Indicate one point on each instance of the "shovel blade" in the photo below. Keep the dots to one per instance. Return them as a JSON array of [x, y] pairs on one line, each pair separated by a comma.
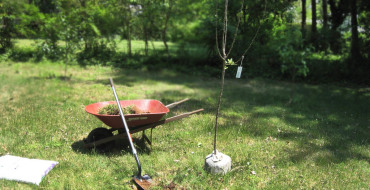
[[144, 182]]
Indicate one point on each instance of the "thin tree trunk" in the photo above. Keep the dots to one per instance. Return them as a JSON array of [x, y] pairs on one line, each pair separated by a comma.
[[219, 104], [146, 25], [303, 24], [146, 39], [164, 32], [223, 56], [129, 38], [68, 47]]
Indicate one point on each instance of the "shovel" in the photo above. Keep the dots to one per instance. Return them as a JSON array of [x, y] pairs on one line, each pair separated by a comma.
[[142, 181]]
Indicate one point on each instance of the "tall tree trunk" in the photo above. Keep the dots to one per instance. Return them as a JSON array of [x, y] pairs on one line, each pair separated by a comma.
[[338, 12], [164, 32], [354, 24], [129, 37], [303, 24], [314, 25], [325, 13], [6, 39], [146, 40], [146, 25]]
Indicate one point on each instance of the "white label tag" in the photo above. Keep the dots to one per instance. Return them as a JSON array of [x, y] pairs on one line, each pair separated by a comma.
[[239, 72]]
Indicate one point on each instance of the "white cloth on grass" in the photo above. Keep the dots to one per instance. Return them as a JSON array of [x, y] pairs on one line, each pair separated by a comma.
[[24, 169]]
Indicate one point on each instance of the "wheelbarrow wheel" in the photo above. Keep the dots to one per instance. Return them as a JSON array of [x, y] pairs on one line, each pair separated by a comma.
[[98, 134]]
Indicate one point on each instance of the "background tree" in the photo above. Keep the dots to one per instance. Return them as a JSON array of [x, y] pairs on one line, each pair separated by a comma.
[[325, 13], [224, 52], [69, 34], [278, 53], [339, 10], [303, 22], [147, 23], [165, 26], [313, 24], [9, 11], [355, 50]]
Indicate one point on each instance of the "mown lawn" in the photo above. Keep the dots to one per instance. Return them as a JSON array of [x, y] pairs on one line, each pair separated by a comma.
[[292, 135]]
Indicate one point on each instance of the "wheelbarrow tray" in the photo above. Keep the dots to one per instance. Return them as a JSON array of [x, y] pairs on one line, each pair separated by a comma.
[[155, 108]]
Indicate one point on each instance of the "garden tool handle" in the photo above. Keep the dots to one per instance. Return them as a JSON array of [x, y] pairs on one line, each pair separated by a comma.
[[111, 82], [126, 127]]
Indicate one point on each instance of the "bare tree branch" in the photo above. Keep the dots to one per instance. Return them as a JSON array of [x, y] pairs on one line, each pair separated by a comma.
[[224, 31], [236, 32], [217, 46], [254, 37]]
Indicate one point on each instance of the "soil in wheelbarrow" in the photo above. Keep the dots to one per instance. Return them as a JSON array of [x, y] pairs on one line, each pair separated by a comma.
[[112, 109]]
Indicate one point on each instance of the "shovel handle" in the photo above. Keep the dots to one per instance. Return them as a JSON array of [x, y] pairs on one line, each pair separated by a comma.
[[111, 82], [126, 127]]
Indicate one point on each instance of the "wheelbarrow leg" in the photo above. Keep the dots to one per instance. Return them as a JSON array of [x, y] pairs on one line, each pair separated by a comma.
[[145, 138]]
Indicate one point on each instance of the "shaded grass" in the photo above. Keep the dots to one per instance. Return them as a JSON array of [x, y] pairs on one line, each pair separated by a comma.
[[292, 135]]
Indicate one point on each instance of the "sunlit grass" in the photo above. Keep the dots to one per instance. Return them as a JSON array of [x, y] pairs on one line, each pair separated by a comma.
[[137, 46], [292, 135]]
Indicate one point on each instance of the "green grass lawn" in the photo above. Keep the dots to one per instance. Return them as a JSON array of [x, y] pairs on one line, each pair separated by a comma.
[[294, 136]]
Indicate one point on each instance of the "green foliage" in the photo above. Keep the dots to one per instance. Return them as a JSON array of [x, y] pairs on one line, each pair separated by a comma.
[[99, 52], [52, 29], [8, 9], [4, 56], [49, 50], [329, 41], [364, 23], [6, 32], [89, 31], [289, 45], [30, 22], [22, 54]]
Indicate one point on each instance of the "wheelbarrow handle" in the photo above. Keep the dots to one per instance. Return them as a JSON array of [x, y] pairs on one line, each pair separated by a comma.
[[177, 117], [177, 103]]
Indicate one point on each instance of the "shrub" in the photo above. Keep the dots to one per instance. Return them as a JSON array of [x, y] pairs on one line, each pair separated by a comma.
[[100, 52], [21, 54], [48, 50], [288, 44]]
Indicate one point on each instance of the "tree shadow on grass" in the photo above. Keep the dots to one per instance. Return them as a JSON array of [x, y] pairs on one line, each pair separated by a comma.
[[305, 113], [336, 116]]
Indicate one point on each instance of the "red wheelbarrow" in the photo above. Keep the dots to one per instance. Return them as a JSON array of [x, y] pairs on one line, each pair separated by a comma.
[[103, 139]]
